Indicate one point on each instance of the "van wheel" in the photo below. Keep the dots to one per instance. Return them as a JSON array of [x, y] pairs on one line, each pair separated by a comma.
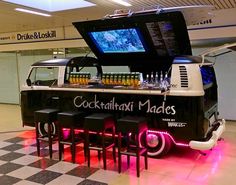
[[158, 144], [43, 128]]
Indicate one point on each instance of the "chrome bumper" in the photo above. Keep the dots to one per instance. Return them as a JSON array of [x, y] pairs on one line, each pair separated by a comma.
[[206, 145]]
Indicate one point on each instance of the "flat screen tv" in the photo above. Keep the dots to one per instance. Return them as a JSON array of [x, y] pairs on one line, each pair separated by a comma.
[[127, 40]]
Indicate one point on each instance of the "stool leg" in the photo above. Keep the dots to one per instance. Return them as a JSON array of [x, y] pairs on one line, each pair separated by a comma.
[[50, 140], [99, 140], [146, 155], [146, 160], [37, 140], [119, 152], [128, 146], [138, 157], [59, 141], [73, 147], [114, 147], [99, 155], [104, 151], [87, 146]]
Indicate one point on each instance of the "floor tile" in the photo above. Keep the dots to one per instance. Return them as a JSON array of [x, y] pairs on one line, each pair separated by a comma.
[[43, 152], [2, 162], [4, 144], [12, 147], [28, 134], [24, 172], [27, 150], [7, 180], [10, 156], [25, 182], [27, 142], [43, 163], [3, 152], [170, 168], [181, 167], [66, 179], [146, 178], [168, 180], [15, 140], [90, 182], [62, 167], [9, 167], [82, 171], [44, 177], [104, 176], [26, 159]]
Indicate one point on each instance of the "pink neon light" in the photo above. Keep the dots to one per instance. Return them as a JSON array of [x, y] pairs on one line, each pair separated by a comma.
[[166, 133], [150, 131]]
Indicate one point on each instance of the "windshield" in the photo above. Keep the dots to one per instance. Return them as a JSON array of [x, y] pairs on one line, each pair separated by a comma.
[[44, 76]]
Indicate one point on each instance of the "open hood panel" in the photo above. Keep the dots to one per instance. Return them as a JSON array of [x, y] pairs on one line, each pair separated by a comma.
[[138, 38]]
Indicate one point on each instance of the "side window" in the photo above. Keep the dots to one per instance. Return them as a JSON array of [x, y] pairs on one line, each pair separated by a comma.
[[208, 75], [44, 76]]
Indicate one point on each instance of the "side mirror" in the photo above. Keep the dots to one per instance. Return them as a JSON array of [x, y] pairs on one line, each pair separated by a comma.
[[28, 82]]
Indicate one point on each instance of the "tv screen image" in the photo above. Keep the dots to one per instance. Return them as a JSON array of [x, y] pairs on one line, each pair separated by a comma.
[[118, 41]]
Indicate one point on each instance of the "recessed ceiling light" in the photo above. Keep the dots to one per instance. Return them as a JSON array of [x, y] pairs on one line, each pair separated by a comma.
[[32, 12], [52, 5], [124, 3]]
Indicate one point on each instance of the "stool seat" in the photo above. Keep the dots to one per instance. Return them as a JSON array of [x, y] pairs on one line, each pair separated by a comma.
[[100, 123], [132, 124], [132, 127], [71, 120], [45, 116]]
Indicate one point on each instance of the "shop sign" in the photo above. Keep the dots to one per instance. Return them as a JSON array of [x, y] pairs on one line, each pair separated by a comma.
[[112, 104], [32, 36]]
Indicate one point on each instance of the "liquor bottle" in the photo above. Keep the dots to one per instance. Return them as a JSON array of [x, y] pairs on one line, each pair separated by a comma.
[[147, 79], [161, 84], [103, 78], [132, 78], [115, 79], [136, 79], [107, 79], [156, 80], [76, 78], [152, 80], [167, 80], [123, 79], [71, 78], [119, 81], [111, 81]]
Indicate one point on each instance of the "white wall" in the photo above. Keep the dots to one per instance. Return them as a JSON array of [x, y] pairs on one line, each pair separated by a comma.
[[9, 89]]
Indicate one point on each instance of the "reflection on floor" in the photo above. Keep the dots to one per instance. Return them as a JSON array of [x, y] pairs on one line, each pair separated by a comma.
[[20, 165]]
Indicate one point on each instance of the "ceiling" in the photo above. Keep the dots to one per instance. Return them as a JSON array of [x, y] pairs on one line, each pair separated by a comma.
[[12, 21]]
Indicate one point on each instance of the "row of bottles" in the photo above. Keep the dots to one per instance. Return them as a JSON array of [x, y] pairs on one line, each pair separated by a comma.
[[123, 79], [79, 78], [157, 80]]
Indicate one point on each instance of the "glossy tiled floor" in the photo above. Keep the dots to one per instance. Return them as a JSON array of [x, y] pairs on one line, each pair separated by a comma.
[[20, 165]]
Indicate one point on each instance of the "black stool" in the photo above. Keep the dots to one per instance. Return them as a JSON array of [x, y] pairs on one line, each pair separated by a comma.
[[132, 127], [47, 116], [71, 120], [100, 123]]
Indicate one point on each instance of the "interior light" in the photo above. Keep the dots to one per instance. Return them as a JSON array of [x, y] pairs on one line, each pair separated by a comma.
[[52, 5], [122, 2], [32, 12]]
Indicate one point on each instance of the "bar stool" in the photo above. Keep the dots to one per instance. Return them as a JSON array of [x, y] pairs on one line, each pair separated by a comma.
[[132, 127], [101, 124], [47, 116], [71, 120]]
